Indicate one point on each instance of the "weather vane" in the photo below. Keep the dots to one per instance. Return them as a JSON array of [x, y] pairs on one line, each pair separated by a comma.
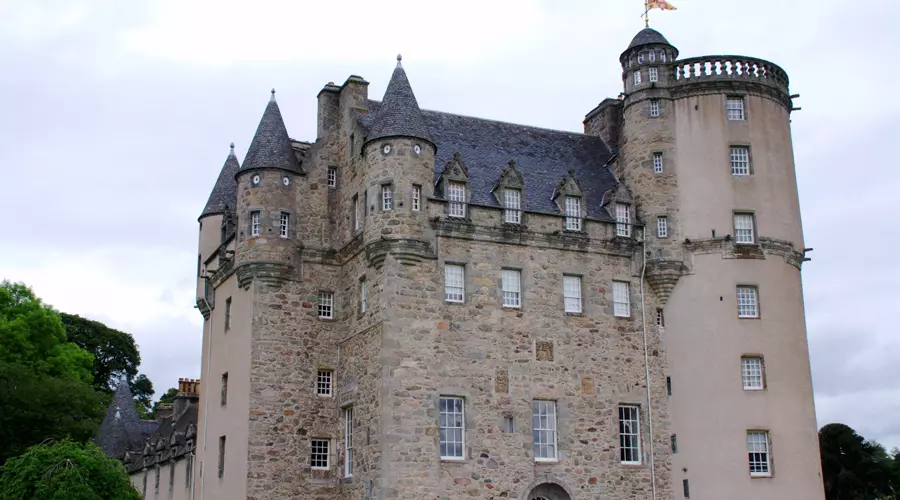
[[655, 4]]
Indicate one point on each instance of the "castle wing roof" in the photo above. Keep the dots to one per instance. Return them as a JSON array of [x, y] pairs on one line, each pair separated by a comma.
[[271, 146], [399, 113], [224, 193], [543, 157]]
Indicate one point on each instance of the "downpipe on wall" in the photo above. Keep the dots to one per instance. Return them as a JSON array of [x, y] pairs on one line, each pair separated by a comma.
[[647, 365], [206, 400]]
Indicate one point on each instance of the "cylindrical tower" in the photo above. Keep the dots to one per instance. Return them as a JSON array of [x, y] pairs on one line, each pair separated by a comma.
[[706, 151], [216, 221]]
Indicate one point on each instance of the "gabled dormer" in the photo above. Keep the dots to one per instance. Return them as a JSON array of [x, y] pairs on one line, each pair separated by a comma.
[[619, 204], [569, 199], [509, 191], [453, 185]]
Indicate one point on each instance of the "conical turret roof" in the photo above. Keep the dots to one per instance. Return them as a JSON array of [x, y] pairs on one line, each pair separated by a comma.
[[648, 35], [399, 114], [121, 429], [271, 146], [224, 193]]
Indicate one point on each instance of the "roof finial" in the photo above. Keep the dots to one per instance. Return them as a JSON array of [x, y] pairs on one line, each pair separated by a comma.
[[272, 99], [399, 58], [232, 149]]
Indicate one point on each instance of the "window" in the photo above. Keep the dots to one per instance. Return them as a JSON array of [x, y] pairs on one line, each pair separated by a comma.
[[637, 75], [629, 435], [674, 440], [654, 107], [456, 192], [356, 212], [254, 223], [740, 161], [658, 163], [352, 146], [641, 57], [621, 299], [363, 300], [660, 318], [662, 226], [651, 56], [662, 56], [452, 428], [669, 386], [511, 283], [654, 73], [748, 306], [734, 108], [228, 313], [417, 197], [512, 200], [752, 373], [758, 450], [454, 283], [283, 225], [323, 382], [318, 457], [221, 456], [348, 441], [623, 220], [387, 197], [326, 305], [224, 389], [573, 213], [686, 487], [572, 293], [543, 419], [332, 177], [743, 229], [509, 425]]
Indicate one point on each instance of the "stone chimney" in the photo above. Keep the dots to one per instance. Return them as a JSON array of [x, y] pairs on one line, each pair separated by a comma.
[[188, 393], [605, 122]]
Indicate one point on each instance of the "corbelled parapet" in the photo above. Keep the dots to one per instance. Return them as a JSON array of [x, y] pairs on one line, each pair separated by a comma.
[[663, 275], [724, 74]]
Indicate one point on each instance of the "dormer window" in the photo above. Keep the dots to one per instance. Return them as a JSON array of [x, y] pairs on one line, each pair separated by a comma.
[[641, 57], [456, 194], [573, 213], [662, 56], [512, 201], [623, 220]]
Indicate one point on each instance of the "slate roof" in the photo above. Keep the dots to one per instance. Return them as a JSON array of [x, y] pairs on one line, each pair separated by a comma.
[[399, 113], [122, 429], [647, 35], [543, 157], [224, 193], [183, 426], [271, 146]]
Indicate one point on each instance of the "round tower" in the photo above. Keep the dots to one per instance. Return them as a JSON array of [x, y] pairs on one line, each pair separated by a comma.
[[266, 195], [217, 219]]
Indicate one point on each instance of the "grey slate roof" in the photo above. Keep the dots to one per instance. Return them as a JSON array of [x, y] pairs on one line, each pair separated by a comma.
[[122, 429], [224, 193], [647, 35], [399, 113], [543, 157], [271, 146]]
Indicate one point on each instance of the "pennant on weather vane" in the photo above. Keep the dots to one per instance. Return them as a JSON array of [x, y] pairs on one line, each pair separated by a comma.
[[655, 4]]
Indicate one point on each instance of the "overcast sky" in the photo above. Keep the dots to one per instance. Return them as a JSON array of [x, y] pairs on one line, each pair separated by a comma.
[[115, 118]]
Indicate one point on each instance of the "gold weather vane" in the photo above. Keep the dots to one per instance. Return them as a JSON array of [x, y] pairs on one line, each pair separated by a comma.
[[655, 4]]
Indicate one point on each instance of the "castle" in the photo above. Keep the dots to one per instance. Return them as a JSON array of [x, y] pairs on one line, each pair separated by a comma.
[[423, 305]]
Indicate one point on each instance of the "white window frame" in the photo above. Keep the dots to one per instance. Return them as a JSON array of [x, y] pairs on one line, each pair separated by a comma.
[[332, 177], [630, 434], [452, 427], [637, 74], [325, 307], [456, 195], [512, 202], [660, 318], [454, 283], [324, 383], [284, 224], [747, 301], [511, 286], [356, 215], [416, 197], [653, 74], [759, 453], [348, 441], [573, 213], [255, 222], [363, 298], [744, 232], [623, 220], [622, 299], [543, 427], [387, 197], [734, 108], [752, 373], [658, 162], [572, 294], [654, 108], [740, 161], [662, 226], [319, 452]]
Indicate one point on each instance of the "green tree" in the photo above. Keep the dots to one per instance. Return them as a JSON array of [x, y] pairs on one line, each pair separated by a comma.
[[168, 397], [142, 390], [853, 468], [65, 471], [115, 353]]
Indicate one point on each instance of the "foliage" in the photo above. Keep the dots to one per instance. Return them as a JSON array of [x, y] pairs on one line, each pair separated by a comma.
[[65, 471], [116, 355], [168, 397], [142, 390], [856, 469]]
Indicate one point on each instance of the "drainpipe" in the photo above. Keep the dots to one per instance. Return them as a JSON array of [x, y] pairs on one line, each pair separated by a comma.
[[647, 364], [192, 457], [206, 402]]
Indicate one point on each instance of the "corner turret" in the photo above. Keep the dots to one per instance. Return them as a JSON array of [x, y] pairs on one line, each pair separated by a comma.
[[217, 219], [399, 114]]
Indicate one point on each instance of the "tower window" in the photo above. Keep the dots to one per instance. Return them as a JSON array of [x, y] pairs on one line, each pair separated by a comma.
[[752, 373], [319, 453], [653, 73], [621, 299], [758, 451], [637, 74], [629, 435], [284, 224], [654, 107], [352, 147], [743, 228], [674, 440], [660, 318], [509, 425], [454, 283], [512, 201], [658, 163], [224, 396], [662, 226], [623, 220], [734, 108], [543, 417], [221, 456], [254, 223], [323, 382], [355, 214], [363, 299], [332, 177], [572, 294], [740, 160], [511, 283], [387, 197], [348, 441], [748, 305], [456, 192], [416, 197], [573, 213], [228, 313], [686, 488], [452, 427], [326, 305]]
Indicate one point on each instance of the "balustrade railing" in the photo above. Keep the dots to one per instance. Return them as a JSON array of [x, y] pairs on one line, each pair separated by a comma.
[[709, 68]]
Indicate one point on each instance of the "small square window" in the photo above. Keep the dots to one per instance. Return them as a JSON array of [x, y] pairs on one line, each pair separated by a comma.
[[284, 224], [752, 373], [740, 161], [511, 281], [512, 202], [456, 193], [623, 220], [654, 107], [629, 435], [758, 451], [662, 226], [621, 299], [637, 76], [323, 382], [543, 418], [319, 453], [748, 305], [416, 197], [452, 428], [454, 283], [326, 305], [254, 223], [743, 229], [573, 213], [332, 177], [387, 197], [658, 163], [734, 108], [572, 293], [654, 74]]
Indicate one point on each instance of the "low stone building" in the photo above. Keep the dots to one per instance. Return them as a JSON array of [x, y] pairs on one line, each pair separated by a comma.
[[424, 305]]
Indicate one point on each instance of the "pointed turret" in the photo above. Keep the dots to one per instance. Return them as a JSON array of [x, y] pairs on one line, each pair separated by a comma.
[[399, 114], [224, 193], [271, 146], [121, 429]]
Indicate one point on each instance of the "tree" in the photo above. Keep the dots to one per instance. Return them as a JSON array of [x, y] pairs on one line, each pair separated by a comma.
[[65, 471], [168, 397], [115, 353], [853, 468], [142, 390]]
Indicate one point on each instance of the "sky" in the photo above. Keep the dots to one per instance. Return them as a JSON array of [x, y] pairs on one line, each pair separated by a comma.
[[115, 119]]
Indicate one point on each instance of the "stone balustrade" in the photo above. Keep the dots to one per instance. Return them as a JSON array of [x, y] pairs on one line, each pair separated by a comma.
[[700, 72]]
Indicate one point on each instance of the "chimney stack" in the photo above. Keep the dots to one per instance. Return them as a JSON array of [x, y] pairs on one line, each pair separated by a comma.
[[188, 392]]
